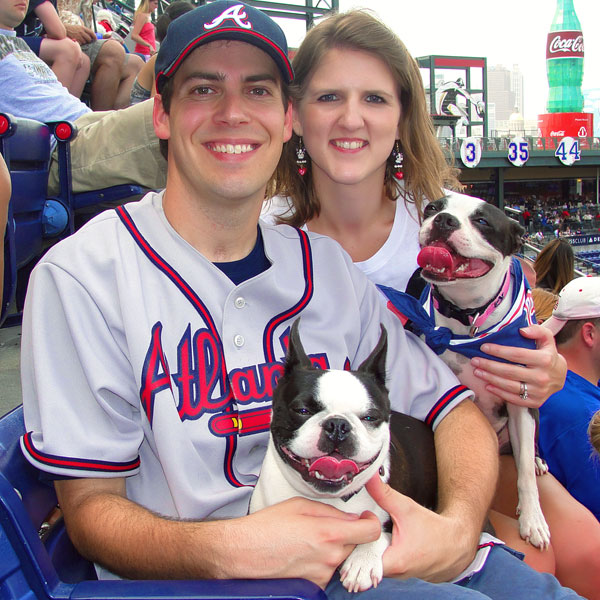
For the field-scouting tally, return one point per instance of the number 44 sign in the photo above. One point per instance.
(568, 151)
(518, 151)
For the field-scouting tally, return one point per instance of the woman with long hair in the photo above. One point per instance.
(555, 265)
(143, 32)
(360, 167)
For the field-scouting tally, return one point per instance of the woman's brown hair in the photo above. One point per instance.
(555, 265)
(426, 170)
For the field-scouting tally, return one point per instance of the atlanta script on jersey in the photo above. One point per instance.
(160, 369)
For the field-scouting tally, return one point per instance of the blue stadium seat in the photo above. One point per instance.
(39, 561)
(36, 221)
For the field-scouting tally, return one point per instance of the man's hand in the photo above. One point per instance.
(79, 33)
(296, 538)
(544, 369)
(317, 539)
(425, 544)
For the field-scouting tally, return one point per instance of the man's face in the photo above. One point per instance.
(227, 122)
(12, 13)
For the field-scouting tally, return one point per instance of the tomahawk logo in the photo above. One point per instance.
(234, 13)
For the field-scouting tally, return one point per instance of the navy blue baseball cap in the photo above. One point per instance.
(221, 20)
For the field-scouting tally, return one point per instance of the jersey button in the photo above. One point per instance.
(239, 302)
(238, 340)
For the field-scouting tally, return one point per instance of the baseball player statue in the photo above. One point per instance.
(153, 338)
(447, 102)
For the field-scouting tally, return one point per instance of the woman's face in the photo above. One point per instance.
(348, 117)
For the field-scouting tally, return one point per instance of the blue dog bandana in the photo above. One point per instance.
(439, 339)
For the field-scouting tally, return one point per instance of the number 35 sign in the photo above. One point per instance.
(518, 151)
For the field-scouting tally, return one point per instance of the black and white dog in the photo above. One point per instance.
(477, 294)
(330, 433)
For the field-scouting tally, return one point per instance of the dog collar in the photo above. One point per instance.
(474, 317)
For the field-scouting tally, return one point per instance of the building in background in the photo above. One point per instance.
(505, 95)
(591, 104)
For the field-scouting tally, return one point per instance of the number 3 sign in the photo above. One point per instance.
(470, 152)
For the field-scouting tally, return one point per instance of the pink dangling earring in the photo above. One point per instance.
(301, 157)
(398, 161)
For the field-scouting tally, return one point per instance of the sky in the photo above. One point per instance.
(506, 32)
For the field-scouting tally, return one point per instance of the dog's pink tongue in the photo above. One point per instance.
(332, 468)
(435, 257)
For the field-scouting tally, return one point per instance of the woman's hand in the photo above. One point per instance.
(543, 370)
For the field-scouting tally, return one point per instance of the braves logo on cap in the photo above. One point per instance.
(236, 13)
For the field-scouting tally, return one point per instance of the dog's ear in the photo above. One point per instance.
(375, 362)
(515, 233)
(296, 356)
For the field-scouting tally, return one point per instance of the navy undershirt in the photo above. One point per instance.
(252, 265)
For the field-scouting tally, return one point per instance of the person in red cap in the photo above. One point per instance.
(565, 417)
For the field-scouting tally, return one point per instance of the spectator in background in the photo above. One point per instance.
(544, 302)
(527, 219)
(565, 417)
(113, 71)
(143, 32)
(555, 265)
(111, 147)
(70, 65)
(144, 85)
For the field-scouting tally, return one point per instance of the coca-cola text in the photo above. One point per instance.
(562, 44)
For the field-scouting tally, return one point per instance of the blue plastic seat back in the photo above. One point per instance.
(53, 570)
(29, 151)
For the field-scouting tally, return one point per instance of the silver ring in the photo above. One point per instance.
(523, 393)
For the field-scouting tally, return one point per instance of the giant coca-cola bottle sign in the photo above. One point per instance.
(564, 60)
(564, 44)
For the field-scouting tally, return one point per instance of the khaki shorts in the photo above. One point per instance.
(112, 148)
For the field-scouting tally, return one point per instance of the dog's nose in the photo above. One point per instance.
(337, 429)
(446, 222)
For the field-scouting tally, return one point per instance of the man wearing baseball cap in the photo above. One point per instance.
(565, 416)
(153, 337)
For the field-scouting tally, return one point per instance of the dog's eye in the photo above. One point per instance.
(429, 210)
(302, 411)
(483, 222)
(369, 418)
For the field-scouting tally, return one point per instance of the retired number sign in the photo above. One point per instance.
(470, 152)
(568, 151)
(518, 151)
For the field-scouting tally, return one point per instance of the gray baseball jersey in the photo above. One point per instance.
(141, 359)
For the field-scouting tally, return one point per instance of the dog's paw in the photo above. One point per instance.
(360, 574)
(534, 529)
(541, 466)
(363, 569)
